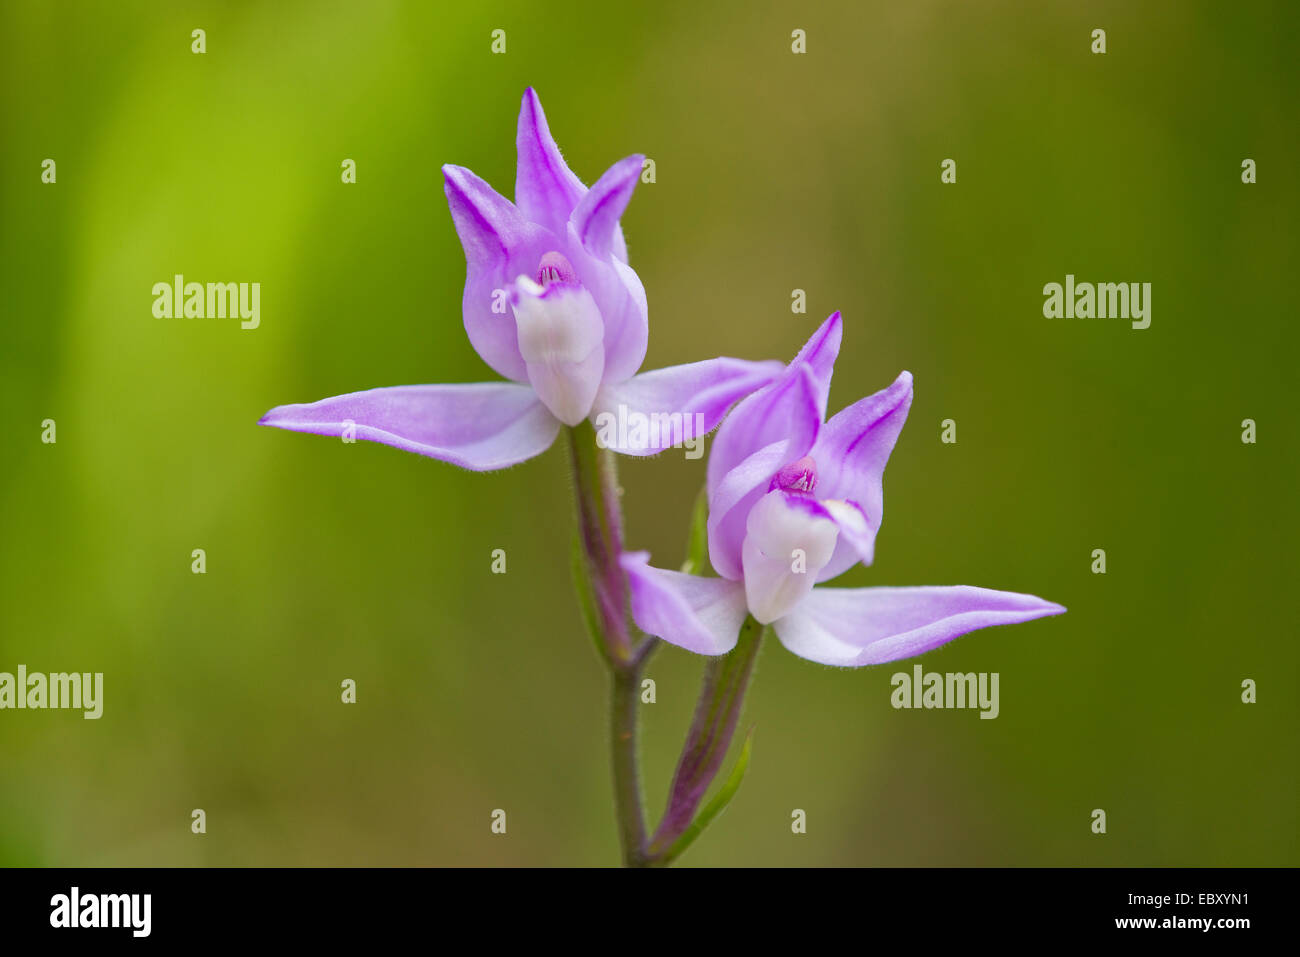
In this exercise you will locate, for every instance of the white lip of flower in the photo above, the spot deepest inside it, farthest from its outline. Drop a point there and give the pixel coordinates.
(561, 338)
(785, 548)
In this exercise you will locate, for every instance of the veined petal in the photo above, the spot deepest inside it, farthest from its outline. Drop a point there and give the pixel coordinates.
(483, 426)
(595, 218)
(500, 244)
(790, 428)
(676, 404)
(702, 615)
(545, 188)
(820, 353)
(766, 416)
(850, 627)
(488, 224)
(854, 446)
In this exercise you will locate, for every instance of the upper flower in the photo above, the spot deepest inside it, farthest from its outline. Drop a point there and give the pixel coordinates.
(551, 304)
(558, 254)
(795, 500)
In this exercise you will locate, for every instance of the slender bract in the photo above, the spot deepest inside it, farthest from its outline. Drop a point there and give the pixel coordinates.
(717, 712)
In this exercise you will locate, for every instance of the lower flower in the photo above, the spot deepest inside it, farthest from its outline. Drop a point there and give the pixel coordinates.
(793, 502)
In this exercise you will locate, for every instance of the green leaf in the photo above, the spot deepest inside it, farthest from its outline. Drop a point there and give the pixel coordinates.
(697, 544)
(715, 806)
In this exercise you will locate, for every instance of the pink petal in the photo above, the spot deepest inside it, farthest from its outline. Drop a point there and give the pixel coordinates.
(765, 417)
(488, 224)
(849, 627)
(484, 426)
(789, 419)
(820, 353)
(857, 541)
(702, 615)
(854, 446)
(500, 245)
(729, 505)
(595, 218)
(698, 394)
(621, 297)
(545, 188)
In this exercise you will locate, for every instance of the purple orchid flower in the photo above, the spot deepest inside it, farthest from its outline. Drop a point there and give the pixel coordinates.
(552, 305)
(795, 501)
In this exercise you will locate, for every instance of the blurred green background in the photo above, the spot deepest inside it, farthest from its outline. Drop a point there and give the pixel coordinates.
(775, 171)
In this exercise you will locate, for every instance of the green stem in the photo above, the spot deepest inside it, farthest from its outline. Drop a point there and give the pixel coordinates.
(600, 530)
(627, 778)
(602, 586)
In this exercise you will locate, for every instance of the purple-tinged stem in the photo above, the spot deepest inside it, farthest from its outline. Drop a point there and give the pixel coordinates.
(600, 530)
(600, 527)
(726, 679)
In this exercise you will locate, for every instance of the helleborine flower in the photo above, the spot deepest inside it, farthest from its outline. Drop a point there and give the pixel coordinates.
(795, 501)
(552, 305)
